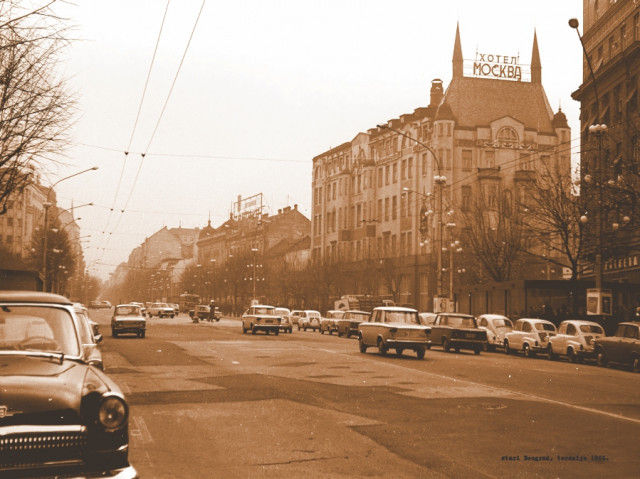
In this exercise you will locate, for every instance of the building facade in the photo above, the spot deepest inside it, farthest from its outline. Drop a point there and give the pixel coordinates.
(390, 201)
(610, 158)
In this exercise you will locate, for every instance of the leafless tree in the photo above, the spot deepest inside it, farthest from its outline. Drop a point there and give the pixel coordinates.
(36, 106)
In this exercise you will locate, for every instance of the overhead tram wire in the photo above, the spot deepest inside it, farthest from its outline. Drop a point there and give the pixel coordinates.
(135, 124)
(175, 78)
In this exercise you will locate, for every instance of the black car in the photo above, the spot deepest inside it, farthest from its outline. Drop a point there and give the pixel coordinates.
(60, 415)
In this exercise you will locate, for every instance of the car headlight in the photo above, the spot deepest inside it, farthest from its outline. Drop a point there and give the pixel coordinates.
(113, 413)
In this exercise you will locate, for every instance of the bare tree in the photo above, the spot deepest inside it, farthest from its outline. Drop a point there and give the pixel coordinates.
(35, 104)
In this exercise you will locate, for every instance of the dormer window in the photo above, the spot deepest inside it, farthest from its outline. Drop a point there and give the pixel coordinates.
(507, 137)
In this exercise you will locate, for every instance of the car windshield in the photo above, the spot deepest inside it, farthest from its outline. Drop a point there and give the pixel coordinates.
(545, 327)
(268, 311)
(408, 317)
(591, 328)
(38, 328)
(358, 317)
(462, 321)
(313, 314)
(282, 311)
(129, 310)
(335, 314)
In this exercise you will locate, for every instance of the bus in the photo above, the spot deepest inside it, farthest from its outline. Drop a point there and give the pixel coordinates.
(188, 302)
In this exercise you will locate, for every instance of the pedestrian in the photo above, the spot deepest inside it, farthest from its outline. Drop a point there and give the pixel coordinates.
(212, 310)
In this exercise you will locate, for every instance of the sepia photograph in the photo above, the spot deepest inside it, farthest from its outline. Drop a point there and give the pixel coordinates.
(319, 239)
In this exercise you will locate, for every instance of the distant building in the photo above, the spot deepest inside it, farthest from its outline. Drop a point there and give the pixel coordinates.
(373, 197)
(23, 220)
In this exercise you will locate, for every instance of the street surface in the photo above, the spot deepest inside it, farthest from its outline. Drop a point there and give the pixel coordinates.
(208, 401)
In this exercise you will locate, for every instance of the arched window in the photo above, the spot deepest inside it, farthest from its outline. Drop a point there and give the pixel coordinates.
(507, 136)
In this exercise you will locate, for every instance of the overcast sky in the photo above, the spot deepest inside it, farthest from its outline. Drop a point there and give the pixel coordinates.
(264, 87)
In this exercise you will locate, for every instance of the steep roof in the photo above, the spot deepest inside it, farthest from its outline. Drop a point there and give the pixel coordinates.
(479, 101)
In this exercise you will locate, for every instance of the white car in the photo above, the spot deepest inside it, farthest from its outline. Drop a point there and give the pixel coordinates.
(575, 340)
(285, 324)
(529, 335)
(394, 328)
(309, 319)
(260, 317)
(497, 326)
(161, 310)
(128, 319)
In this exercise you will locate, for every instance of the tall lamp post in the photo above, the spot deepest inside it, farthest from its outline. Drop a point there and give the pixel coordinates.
(254, 250)
(47, 205)
(439, 182)
(598, 130)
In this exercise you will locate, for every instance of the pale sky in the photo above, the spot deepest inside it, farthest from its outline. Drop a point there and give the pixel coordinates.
(265, 86)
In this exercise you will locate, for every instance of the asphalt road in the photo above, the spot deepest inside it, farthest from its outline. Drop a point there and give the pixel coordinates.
(208, 401)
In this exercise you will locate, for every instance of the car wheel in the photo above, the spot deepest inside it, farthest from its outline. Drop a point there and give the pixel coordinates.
(305, 329)
(298, 327)
(321, 331)
(507, 349)
(420, 352)
(573, 357)
(348, 334)
(635, 365)
(172, 316)
(244, 330)
(382, 349)
(253, 330)
(277, 332)
(363, 347)
(445, 345)
(601, 359)
(527, 351)
(143, 334)
(399, 351)
(114, 334)
(339, 333)
(267, 332)
(331, 332)
(477, 350)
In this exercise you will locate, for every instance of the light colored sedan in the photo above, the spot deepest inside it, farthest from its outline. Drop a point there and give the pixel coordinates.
(529, 335)
(496, 326)
(394, 328)
(329, 322)
(285, 316)
(575, 340)
(261, 317)
(309, 319)
(128, 319)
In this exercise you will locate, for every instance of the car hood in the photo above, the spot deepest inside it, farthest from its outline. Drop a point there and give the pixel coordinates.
(33, 387)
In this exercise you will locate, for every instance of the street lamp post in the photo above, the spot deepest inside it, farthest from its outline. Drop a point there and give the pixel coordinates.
(598, 130)
(47, 205)
(254, 250)
(439, 183)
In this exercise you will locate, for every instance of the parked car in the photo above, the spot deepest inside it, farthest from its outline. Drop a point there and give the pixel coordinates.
(128, 319)
(260, 317)
(285, 317)
(83, 313)
(328, 323)
(529, 335)
(349, 323)
(622, 348)
(61, 416)
(575, 339)
(161, 310)
(458, 331)
(309, 319)
(496, 326)
(392, 327)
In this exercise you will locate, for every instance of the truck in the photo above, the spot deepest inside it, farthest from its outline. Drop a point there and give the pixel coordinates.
(362, 302)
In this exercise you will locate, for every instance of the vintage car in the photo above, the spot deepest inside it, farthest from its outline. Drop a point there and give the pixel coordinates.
(128, 319)
(456, 331)
(260, 317)
(575, 340)
(529, 335)
(349, 323)
(143, 309)
(622, 348)
(309, 319)
(427, 318)
(200, 312)
(328, 323)
(496, 326)
(161, 310)
(60, 415)
(285, 316)
(83, 313)
(392, 327)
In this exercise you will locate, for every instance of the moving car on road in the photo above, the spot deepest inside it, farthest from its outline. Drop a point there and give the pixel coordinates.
(60, 415)
(128, 319)
(575, 340)
(260, 317)
(309, 319)
(458, 331)
(349, 323)
(328, 323)
(394, 328)
(285, 316)
(622, 348)
(161, 310)
(529, 335)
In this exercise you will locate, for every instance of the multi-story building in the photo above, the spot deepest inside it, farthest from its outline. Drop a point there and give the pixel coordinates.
(610, 178)
(23, 220)
(385, 201)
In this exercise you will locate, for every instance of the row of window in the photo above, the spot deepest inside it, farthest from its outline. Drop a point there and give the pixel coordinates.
(618, 41)
(386, 246)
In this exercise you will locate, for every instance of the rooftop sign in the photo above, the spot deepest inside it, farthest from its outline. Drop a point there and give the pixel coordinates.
(492, 65)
